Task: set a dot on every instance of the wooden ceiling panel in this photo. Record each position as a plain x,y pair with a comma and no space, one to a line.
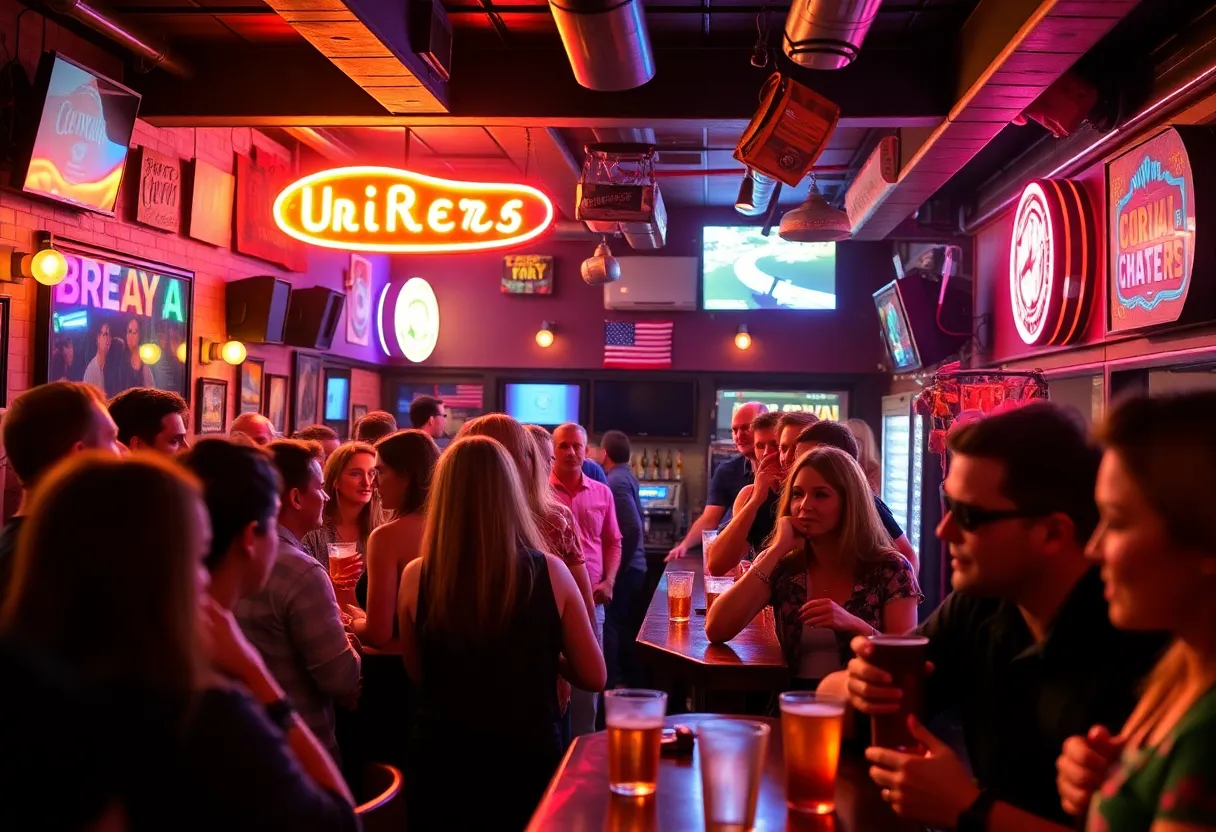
459,141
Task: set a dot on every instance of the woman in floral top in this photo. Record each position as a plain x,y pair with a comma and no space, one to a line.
829,570
1157,545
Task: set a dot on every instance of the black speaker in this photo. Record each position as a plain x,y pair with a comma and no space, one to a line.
312,317
257,309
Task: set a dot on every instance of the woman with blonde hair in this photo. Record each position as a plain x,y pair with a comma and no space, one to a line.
486,617
208,739
828,569
1157,547
351,510
868,458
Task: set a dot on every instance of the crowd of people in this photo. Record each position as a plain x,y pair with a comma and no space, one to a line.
182,653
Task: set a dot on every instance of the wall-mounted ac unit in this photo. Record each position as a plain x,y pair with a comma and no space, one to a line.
654,283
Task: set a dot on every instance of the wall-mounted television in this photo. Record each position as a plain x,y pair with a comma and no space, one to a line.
337,398
742,269
660,409
826,404
75,147
896,334
547,404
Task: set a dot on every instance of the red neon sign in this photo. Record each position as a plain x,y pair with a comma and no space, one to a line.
398,211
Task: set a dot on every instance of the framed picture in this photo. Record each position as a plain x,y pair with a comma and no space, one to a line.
307,383
212,414
252,372
275,403
359,300
4,327
357,412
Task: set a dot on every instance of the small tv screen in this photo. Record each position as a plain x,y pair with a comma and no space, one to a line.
666,409
896,333
337,398
544,404
78,150
743,269
830,405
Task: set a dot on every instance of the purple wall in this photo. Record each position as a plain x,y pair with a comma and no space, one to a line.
327,268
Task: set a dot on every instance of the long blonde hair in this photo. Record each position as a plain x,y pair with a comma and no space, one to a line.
334,466
523,447
477,522
867,447
860,531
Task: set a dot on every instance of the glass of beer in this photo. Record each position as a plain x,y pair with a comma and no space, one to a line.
713,588
811,726
341,557
904,658
732,753
707,538
634,719
679,596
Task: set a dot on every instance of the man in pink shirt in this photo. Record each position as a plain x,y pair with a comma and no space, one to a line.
599,536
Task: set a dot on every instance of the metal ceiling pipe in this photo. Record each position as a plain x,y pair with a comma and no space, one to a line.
827,34
761,194
606,41
103,24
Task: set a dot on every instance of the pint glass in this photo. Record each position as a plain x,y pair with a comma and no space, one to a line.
713,588
904,658
679,596
732,762
340,557
634,719
811,727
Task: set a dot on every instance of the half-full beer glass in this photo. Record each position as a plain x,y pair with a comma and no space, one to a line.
634,719
904,658
811,725
715,587
679,596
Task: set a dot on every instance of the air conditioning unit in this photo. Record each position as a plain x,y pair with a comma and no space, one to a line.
658,284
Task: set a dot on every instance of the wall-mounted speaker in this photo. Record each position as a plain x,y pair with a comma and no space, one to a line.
312,317
256,309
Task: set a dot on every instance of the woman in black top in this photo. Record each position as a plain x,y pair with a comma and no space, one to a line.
124,604
484,616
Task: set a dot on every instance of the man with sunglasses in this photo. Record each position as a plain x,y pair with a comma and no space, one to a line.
1022,653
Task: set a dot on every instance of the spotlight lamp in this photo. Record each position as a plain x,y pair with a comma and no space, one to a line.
46,264
544,335
743,339
230,352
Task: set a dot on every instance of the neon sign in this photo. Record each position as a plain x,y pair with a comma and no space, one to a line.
1052,262
398,211
121,289
416,319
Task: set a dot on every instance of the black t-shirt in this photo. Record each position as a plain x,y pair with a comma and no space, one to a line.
888,519
1019,700
8,551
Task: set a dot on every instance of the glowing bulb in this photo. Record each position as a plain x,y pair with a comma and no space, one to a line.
49,267
149,353
743,340
233,352
544,337
181,352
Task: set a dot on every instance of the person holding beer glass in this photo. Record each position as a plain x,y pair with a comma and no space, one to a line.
350,512
828,569
487,623
1157,549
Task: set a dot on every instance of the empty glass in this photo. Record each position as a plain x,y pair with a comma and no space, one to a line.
731,753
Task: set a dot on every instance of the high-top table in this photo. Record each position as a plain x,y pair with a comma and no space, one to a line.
680,654
578,797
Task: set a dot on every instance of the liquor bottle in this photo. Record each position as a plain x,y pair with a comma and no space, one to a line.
645,465
635,465
669,471
679,465
656,471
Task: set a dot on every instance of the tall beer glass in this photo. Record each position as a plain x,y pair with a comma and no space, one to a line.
904,658
732,762
679,596
634,719
811,727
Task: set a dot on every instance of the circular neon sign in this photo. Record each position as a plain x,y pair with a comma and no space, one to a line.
416,320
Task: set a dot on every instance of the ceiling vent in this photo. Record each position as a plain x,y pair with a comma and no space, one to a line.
680,158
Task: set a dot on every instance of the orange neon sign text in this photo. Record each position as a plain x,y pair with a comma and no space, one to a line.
398,211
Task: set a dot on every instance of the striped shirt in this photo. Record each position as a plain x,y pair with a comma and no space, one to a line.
294,623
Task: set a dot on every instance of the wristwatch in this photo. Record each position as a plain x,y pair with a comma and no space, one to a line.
280,712
975,817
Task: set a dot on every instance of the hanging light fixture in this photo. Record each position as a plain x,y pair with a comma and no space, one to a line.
601,267
744,202
814,221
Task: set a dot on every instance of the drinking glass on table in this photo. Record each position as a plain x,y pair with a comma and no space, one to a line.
679,596
811,727
707,538
634,719
715,587
342,557
732,762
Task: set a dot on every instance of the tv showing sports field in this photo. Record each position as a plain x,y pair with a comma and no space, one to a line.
743,269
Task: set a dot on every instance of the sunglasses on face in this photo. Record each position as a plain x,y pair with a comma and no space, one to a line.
969,517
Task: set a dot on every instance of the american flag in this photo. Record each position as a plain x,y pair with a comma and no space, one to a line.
460,395
637,346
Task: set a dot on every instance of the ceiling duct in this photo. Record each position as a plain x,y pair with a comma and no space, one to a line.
827,34
755,194
606,41
103,24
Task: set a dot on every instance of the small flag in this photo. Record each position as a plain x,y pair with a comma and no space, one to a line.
637,346
460,395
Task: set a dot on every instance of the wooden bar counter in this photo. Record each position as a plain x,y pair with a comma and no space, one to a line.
680,656
578,796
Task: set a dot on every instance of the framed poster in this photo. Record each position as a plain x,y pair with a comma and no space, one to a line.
307,383
527,274
357,412
212,414
115,322
275,402
159,200
211,205
252,372
359,301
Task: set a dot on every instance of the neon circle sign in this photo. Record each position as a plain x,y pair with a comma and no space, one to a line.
382,209
416,320
1052,262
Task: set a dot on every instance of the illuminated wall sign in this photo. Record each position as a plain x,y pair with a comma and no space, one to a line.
416,319
399,211
1052,262
1152,232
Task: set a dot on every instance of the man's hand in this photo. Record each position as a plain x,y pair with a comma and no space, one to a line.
1082,767
678,551
934,789
602,592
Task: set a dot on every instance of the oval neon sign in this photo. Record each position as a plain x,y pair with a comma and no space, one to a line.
416,320
398,211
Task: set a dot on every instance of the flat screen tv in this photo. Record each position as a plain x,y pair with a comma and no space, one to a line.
547,404
896,333
77,136
661,409
337,398
743,269
826,404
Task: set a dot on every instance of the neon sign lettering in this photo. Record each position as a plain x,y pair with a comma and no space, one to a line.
121,289
398,211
